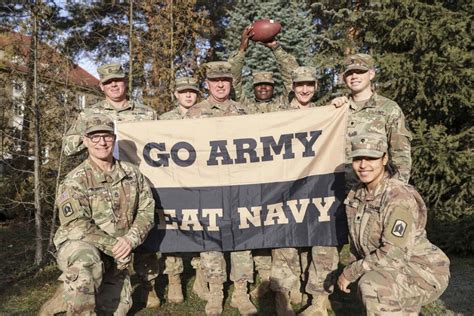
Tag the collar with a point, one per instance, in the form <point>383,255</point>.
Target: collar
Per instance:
<point>371,103</point>
<point>101,176</point>
<point>129,106</point>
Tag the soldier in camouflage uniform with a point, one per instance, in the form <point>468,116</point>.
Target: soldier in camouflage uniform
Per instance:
<point>264,100</point>
<point>106,210</point>
<point>368,113</point>
<point>219,84</point>
<point>397,268</point>
<point>116,106</point>
<point>186,93</point>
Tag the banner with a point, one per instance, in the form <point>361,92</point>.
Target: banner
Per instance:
<point>243,182</point>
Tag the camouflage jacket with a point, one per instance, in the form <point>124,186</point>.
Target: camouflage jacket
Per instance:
<point>96,206</point>
<point>286,63</point>
<point>135,111</point>
<point>174,114</point>
<point>381,116</point>
<point>208,108</point>
<point>387,231</point>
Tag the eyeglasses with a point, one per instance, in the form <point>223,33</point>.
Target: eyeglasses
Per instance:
<point>96,138</point>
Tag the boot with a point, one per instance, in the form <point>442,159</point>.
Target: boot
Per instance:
<point>215,299</point>
<point>240,299</point>
<point>175,293</point>
<point>55,304</point>
<point>200,286</point>
<point>319,307</point>
<point>152,300</point>
<point>263,287</point>
<point>282,304</point>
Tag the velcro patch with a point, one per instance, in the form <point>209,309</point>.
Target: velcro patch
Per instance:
<point>63,197</point>
<point>399,228</point>
<point>67,210</point>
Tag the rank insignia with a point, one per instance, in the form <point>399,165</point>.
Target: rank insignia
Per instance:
<point>67,210</point>
<point>399,228</point>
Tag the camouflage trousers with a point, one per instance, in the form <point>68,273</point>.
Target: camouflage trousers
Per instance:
<point>214,266</point>
<point>394,293</point>
<point>322,271</point>
<point>262,259</point>
<point>92,283</point>
<point>286,269</point>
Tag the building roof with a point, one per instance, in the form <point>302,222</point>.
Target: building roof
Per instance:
<point>14,53</point>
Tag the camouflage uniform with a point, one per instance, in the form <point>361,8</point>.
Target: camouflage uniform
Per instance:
<point>173,263</point>
<point>382,116</point>
<point>212,262</point>
<point>253,105</point>
<point>134,111</point>
<point>96,207</point>
<point>399,270</point>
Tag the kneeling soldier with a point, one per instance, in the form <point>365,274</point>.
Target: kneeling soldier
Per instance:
<point>106,210</point>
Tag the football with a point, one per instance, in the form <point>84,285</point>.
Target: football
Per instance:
<point>265,30</point>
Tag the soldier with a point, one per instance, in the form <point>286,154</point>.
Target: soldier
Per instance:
<point>368,113</point>
<point>397,268</point>
<point>186,93</point>
<point>219,83</point>
<point>263,84</point>
<point>106,210</point>
<point>116,106</point>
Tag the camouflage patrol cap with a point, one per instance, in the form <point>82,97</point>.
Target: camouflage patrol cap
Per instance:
<point>99,123</point>
<point>369,145</point>
<point>218,69</point>
<point>186,83</point>
<point>262,77</point>
<point>110,71</point>
<point>303,74</point>
<point>363,62</point>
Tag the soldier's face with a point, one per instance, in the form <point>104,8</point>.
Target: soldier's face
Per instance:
<point>114,89</point>
<point>219,88</point>
<point>263,91</point>
<point>304,91</point>
<point>369,170</point>
<point>100,145</point>
<point>186,98</point>
<point>358,80</point>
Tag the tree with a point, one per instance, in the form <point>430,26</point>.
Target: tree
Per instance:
<point>296,35</point>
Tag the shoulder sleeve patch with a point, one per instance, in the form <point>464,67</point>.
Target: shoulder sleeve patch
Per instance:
<point>399,228</point>
<point>67,210</point>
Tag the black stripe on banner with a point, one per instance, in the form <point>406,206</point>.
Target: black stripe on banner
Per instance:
<point>301,213</point>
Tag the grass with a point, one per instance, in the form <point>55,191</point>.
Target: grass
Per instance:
<point>23,288</point>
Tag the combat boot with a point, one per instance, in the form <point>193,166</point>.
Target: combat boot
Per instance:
<point>263,287</point>
<point>152,300</point>
<point>175,293</point>
<point>282,304</point>
<point>55,304</point>
<point>240,299</point>
<point>319,307</point>
<point>215,299</point>
<point>200,286</point>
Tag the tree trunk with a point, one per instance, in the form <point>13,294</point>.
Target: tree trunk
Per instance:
<point>130,49</point>
<point>37,152</point>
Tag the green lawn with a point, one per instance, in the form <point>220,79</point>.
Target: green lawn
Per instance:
<point>23,289</point>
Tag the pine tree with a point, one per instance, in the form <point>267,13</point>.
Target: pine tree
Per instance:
<point>296,36</point>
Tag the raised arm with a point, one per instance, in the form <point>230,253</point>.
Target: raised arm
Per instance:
<point>237,60</point>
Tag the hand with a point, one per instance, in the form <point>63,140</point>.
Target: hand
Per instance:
<point>339,101</point>
<point>122,248</point>
<point>273,44</point>
<point>123,264</point>
<point>343,283</point>
<point>247,33</point>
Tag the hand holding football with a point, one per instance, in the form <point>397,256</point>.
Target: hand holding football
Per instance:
<point>265,30</point>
